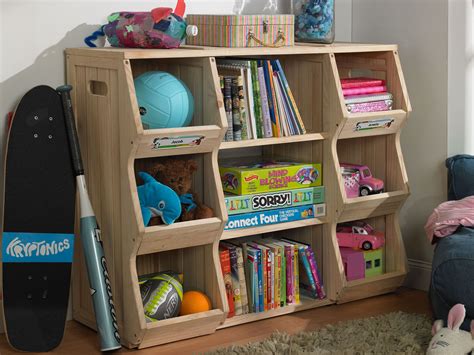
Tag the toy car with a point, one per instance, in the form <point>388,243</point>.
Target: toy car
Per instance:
<point>359,235</point>
<point>368,185</point>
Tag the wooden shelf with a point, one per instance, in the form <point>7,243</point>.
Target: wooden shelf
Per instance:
<point>353,124</point>
<point>372,286</point>
<point>115,147</point>
<point>244,232</point>
<point>305,303</point>
<point>180,235</point>
<point>371,206</point>
<point>173,329</point>
<point>272,141</point>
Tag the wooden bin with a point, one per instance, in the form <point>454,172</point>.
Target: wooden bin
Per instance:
<point>115,146</point>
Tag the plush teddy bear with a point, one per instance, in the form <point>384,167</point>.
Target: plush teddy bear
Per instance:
<point>178,174</point>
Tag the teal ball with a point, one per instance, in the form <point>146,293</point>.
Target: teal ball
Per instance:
<point>164,101</point>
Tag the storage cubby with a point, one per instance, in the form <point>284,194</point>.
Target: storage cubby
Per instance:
<point>394,263</point>
<point>383,65</point>
<point>382,155</point>
<point>183,234</point>
<point>196,264</point>
<point>313,236</point>
<point>115,146</point>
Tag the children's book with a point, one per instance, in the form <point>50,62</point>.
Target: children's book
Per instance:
<point>358,99</point>
<point>243,109</point>
<point>276,272</point>
<point>242,280</point>
<point>235,277</point>
<point>229,136</point>
<point>256,99</point>
<point>252,267</point>
<point>267,122</point>
<point>282,114</point>
<point>349,83</point>
<point>224,256</point>
<point>260,264</point>
<point>236,120</point>
<point>294,107</point>
<point>271,100</point>
<point>315,272</point>
<point>364,90</point>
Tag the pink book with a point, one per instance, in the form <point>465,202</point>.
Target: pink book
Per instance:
<point>315,272</point>
<point>364,90</point>
<point>349,83</point>
<point>374,106</point>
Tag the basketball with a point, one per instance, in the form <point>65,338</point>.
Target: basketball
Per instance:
<point>195,302</point>
<point>164,101</point>
<point>161,297</point>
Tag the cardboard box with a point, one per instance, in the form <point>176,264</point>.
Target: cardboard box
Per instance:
<point>253,178</point>
<point>281,215</point>
<point>272,200</point>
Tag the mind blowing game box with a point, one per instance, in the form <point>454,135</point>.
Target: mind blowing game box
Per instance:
<point>252,178</point>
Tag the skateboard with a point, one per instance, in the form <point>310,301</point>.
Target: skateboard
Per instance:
<point>38,228</point>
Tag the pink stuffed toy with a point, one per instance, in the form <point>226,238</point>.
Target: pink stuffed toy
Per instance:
<point>451,340</point>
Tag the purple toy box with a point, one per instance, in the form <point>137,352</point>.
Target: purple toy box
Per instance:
<point>354,263</point>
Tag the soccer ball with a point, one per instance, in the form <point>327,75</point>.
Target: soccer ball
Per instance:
<point>164,101</point>
<point>162,296</point>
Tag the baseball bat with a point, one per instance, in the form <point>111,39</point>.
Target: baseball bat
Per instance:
<point>100,287</point>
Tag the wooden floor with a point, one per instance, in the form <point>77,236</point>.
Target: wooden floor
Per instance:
<point>81,340</point>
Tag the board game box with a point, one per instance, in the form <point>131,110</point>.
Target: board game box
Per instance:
<point>272,200</point>
<point>252,178</point>
<point>281,215</point>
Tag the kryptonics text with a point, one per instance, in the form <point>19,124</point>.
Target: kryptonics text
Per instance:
<point>19,249</point>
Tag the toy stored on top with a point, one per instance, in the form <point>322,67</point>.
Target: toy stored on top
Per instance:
<point>451,340</point>
<point>160,28</point>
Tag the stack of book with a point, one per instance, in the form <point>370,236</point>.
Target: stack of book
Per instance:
<point>366,95</point>
<point>258,100</point>
<point>267,274</point>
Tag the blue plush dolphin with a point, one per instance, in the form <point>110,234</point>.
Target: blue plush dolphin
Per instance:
<point>157,199</point>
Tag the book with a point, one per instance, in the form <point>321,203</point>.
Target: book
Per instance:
<point>289,116</point>
<point>229,136</point>
<point>242,280</point>
<point>237,204</point>
<point>267,122</point>
<point>281,74</point>
<point>236,119</point>
<point>243,108</point>
<point>235,277</point>
<point>373,106</point>
<point>276,272</point>
<point>364,90</point>
<point>315,271</point>
<point>256,99</point>
<point>238,67</point>
<point>281,215</point>
<point>356,99</point>
<point>252,267</point>
<point>226,273</point>
<point>259,279</point>
<point>296,275</point>
<point>280,108</point>
<point>349,83</point>
<point>271,101</point>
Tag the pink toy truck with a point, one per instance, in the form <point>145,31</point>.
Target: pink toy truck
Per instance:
<point>359,235</point>
<point>368,185</point>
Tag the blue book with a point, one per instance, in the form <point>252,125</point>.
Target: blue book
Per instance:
<point>252,267</point>
<point>257,254</point>
<point>277,67</point>
<point>270,92</point>
<point>262,218</point>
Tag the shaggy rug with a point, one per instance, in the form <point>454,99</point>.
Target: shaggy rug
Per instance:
<point>393,333</point>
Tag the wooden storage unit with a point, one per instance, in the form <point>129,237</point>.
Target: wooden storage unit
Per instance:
<point>115,147</point>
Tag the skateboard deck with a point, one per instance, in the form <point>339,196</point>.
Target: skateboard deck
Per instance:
<point>38,228</point>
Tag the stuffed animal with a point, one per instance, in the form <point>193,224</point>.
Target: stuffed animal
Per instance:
<point>451,340</point>
<point>157,200</point>
<point>178,174</point>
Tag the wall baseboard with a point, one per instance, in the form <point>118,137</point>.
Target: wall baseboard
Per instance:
<point>419,275</point>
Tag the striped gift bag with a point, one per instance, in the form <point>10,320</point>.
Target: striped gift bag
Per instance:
<point>242,30</point>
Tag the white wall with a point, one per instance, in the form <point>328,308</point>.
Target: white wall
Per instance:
<point>420,27</point>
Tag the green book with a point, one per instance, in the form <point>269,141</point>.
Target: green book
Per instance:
<point>256,99</point>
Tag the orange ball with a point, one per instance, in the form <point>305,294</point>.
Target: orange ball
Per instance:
<point>195,302</point>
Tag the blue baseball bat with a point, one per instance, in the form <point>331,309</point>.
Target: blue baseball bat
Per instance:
<point>100,287</point>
